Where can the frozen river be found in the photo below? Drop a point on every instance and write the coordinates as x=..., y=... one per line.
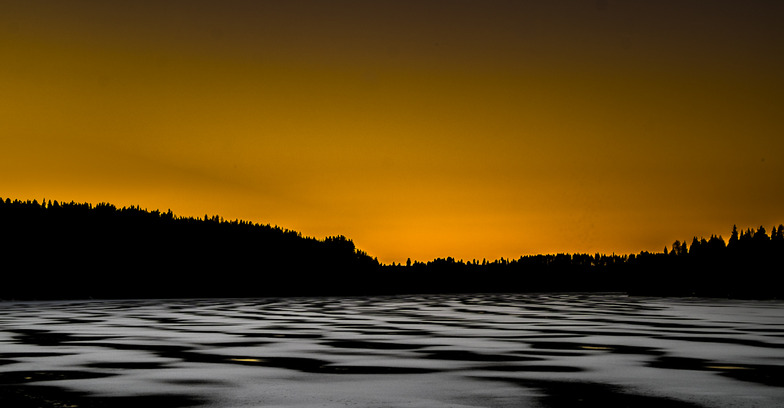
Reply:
x=563, y=350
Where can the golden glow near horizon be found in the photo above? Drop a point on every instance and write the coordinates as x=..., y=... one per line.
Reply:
x=418, y=129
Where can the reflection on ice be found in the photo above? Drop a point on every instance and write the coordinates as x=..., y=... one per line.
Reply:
x=494, y=350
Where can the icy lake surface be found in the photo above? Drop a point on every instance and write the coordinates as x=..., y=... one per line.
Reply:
x=492, y=350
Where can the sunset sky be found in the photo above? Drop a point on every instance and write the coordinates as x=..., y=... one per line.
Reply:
x=421, y=129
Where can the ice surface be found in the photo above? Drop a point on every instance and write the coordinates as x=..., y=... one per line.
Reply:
x=494, y=350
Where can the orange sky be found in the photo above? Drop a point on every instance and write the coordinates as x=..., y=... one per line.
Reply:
x=422, y=129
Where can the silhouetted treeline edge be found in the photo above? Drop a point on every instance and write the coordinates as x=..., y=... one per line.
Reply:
x=76, y=250
x=73, y=250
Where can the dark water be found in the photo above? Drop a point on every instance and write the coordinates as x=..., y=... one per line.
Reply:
x=407, y=351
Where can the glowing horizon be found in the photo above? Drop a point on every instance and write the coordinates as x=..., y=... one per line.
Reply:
x=419, y=130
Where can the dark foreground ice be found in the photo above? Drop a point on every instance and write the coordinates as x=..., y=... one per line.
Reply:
x=564, y=350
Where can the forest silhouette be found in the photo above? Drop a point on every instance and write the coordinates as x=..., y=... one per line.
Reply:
x=54, y=250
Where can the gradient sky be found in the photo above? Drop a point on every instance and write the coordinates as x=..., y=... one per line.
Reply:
x=422, y=129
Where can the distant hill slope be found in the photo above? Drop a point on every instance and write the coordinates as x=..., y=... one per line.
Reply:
x=77, y=250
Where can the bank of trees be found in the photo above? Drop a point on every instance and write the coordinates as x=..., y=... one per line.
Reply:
x=77, y=250
x=748, y=265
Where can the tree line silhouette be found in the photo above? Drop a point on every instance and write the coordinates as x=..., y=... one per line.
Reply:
x=77, y=250
x=52, y=250
x=749, y=265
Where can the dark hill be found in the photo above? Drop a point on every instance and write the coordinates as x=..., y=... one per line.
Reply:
x=76, y=250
